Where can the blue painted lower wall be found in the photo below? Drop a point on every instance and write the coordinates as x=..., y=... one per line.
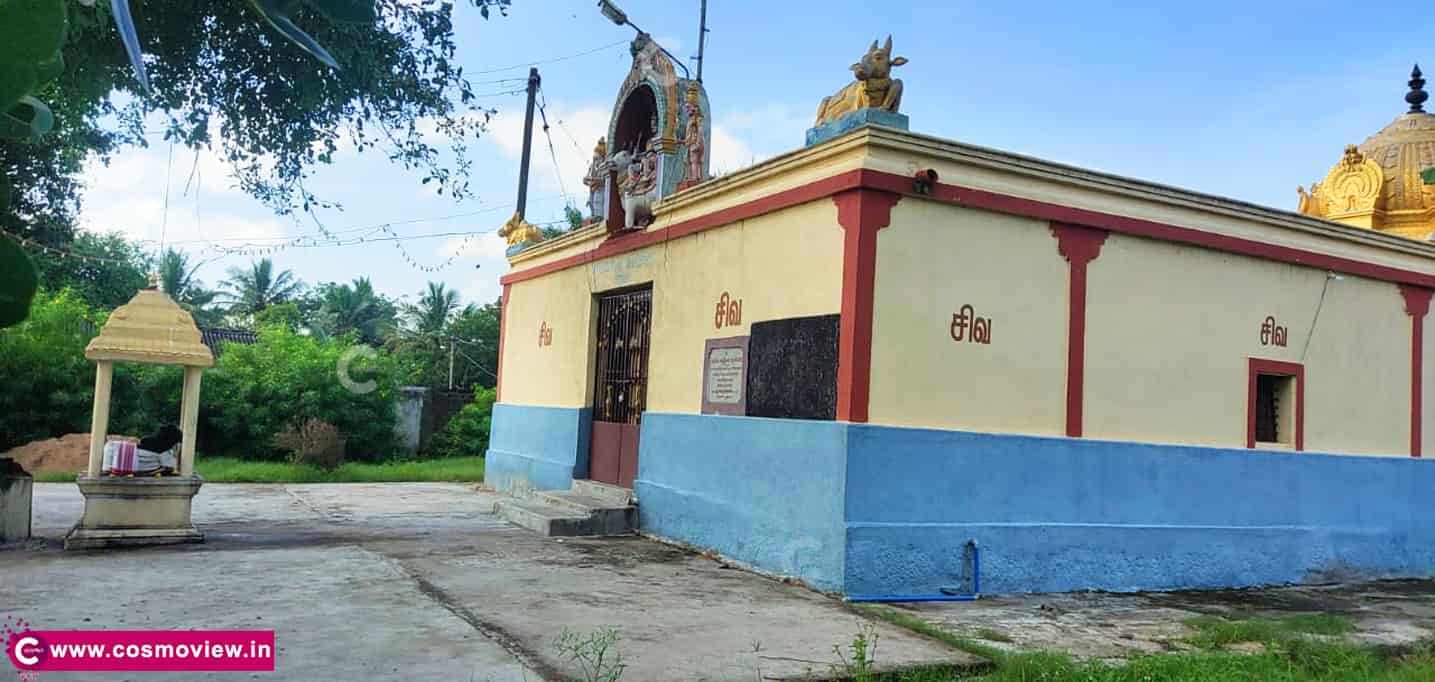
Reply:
x=544, y=448
x=865, y=509
x=766, y=492
x=1058, y=514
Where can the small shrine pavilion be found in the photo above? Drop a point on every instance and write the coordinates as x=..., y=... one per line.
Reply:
x=131, y=510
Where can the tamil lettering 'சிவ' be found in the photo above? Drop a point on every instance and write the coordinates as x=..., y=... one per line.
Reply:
x=966, y=326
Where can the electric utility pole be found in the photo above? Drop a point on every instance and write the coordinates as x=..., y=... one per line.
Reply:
x=702, y=36
x=533, y=82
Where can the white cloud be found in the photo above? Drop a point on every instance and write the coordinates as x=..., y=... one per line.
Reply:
x=480, y=247
x=474, y=272
x=774, y=119
x=672, y=44
x=730, y=152
x=573, y=131
x=128, y=196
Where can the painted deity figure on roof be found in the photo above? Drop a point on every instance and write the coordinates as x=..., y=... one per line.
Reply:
x=658, y=137
x=694, y=139
x=597, y=180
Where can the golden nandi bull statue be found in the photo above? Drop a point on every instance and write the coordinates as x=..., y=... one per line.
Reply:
x=874, y=88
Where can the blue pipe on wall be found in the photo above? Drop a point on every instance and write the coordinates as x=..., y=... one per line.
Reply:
x=975, y=595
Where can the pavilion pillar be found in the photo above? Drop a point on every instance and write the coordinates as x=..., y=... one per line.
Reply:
x=189, y=418
x=100, y=419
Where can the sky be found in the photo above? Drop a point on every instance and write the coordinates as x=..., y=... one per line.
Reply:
x=1245, y=100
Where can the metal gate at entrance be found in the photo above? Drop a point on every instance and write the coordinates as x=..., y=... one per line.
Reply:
x=620, y=384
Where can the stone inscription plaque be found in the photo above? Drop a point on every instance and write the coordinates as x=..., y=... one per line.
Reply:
x=725, y=376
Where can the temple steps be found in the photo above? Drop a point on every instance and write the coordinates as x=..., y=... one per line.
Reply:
x=588, y=509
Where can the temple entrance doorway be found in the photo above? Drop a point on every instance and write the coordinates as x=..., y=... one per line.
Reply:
x=620, y=383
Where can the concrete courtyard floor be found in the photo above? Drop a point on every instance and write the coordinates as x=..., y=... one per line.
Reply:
x=419, y=581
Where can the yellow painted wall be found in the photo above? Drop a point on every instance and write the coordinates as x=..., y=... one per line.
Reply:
x=931, y=260
x=1170, y=328
x=554, y=375
x=783, y=264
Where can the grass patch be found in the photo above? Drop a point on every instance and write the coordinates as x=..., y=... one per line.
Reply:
x=994, y=635
x=229, y=470
x=1293, y=659
x=1214, y=632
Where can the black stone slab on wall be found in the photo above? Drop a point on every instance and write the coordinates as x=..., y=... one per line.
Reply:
x=792, y=368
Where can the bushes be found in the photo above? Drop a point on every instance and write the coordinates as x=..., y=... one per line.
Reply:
x=257, y=391
x=46, y=384
x=251, y=394
x=466, y=434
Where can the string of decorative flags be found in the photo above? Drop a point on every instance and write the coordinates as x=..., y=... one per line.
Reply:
x=61, y=252
x=376, y=234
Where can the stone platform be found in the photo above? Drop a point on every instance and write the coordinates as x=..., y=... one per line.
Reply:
x=851, y=121
x=125, y=511
x=15, y=492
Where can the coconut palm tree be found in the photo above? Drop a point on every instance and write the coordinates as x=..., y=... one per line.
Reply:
x=176, y=278
x=252, y=290
x=356, y=308
x=435, y=307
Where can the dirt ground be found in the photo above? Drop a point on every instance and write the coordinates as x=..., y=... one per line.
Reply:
x=1114, y=626
x=69, y=453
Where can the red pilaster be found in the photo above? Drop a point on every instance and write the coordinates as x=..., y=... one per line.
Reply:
x=1079, y=246
x=861, y=212
x=1417, y=304
x=502, y=324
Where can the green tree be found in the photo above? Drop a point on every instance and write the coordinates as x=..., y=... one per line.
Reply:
x=255, y=391
x=48, y=383
x=214, y=67
x=466, y=434
x=431, y=313
x=109, y=279
x=475, y=330
x=176, y=278
x=249, y=291
x=355, y=309
x=286, y=315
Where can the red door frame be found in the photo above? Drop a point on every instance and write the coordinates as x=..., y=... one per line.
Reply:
x=613, y=445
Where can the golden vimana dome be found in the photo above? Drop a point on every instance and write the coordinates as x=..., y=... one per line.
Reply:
x=1379, y=185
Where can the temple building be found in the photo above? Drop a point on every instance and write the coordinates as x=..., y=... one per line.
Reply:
x=884, y=358
x=1380, y=184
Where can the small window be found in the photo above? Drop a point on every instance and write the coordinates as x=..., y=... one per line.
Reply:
x=1275, y=404
x=1275, y=418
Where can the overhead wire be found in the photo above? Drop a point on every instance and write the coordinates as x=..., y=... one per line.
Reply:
x=558, y=171
x=554, y=60
x=164, y=212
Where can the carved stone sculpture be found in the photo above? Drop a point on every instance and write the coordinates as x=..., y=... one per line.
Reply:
x=874, y=87
x=638, y=183
x=519, y=232
x=694, y=139
x=596, y=180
